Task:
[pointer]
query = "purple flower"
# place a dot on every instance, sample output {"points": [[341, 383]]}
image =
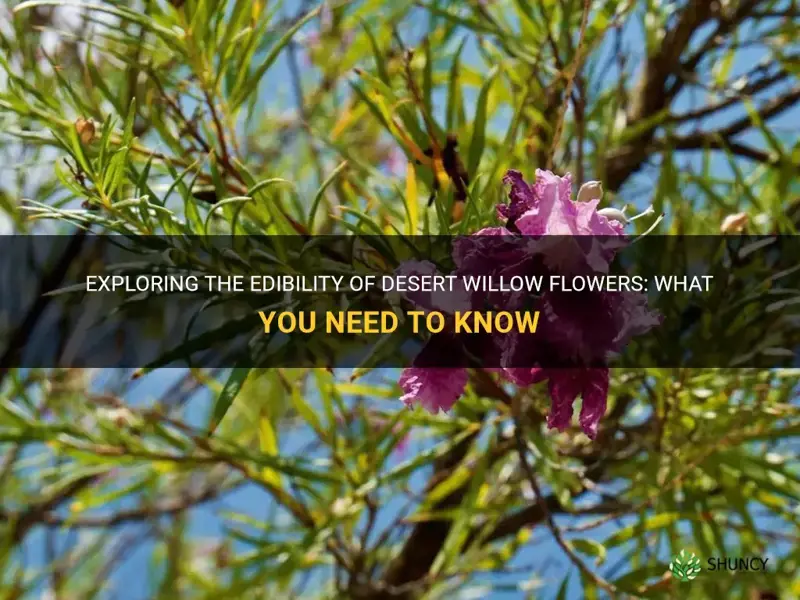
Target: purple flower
{"points": [[587, 327], [444, 301], [546, 232], [547, 208], [565, 385], [522, 197], [434, 389], [481, 252]]}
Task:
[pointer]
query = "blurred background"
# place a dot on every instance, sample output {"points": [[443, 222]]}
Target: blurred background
{"points": [[241, 117]]}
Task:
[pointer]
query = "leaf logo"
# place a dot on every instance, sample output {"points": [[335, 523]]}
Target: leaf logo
{"points": [[685, 567]]}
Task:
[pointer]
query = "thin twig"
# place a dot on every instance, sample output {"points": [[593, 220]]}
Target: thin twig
{"points": [[548, 517], [218, 126], [570, 75], [302, 109]]}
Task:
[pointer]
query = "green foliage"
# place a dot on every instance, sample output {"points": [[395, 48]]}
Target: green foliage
{"points": [[293, 118]]}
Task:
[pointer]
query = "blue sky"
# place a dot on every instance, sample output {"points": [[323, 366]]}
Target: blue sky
{"points": [[206, 524]]}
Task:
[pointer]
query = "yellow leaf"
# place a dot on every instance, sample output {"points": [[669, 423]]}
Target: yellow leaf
{"points": [[348, 116], [523, 535], [256, 10], [269, 446], [163, 466], [400, 133], [441, 174], [363, 461], [358, 389]]}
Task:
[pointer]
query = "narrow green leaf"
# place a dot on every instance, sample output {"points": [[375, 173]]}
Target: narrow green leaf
{"points": [[246, 87], [321, 192], [129, 15], [268, 441], [562, 590], [380, 64], [233, 386], [108, 126], [648, 524], [479, 125], [127, 134], [454, 90], [590, 548], [116, 171]]}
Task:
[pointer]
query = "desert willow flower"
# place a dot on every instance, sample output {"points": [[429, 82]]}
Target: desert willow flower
{"points": [[577, 332]]}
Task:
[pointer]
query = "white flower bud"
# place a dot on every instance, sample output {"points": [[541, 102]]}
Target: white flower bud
{"points": [[734, 223], [341, 506], [591, 190], [613, 214], [121, 417]]}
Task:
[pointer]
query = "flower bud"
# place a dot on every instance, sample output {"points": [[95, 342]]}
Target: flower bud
{"points": [[613, 214], [591, 190], [121, 417], [734, 223]]}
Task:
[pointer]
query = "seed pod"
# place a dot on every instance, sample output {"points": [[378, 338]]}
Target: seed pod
{"points": [[85, 129]]}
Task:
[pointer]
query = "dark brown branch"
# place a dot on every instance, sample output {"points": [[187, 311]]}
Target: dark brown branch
{"points": [[22, 522], [627, 159], [749, 90], [715, 143], [165, 508], [770, 109], [652, 94], [533, 515], [726, 25]]}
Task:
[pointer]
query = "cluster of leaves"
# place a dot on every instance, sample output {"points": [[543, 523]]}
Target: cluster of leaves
{"points": [[170, 117]]}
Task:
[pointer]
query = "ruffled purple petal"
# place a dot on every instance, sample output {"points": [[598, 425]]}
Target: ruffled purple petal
{"points": [[445, 301], [471, 251], [633, 317], [555, 213], [564, 386], [521, 196], [590, 222], [577, 330], [434, 389], [595, 396]]}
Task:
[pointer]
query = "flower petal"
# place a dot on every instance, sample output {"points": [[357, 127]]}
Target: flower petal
{"points": [[434, 389], [595, 396], [564, 386], [521, 196], [448, 301]]}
